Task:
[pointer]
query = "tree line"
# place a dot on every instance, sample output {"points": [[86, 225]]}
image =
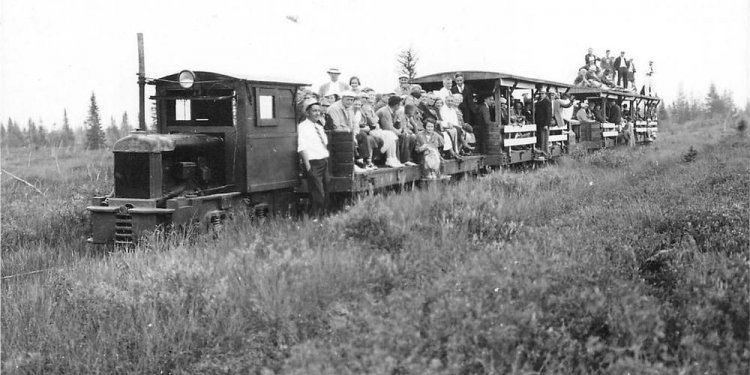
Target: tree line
{"points": [[95, 136], [92, 136], [712, 106]]}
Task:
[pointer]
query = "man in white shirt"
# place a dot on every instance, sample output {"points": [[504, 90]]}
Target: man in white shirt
{"points": [[446, 90], [312, 146], [334, 86]]}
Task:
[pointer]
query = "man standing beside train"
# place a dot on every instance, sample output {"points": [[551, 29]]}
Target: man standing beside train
{"points": [[312, 146], [543, 120]]}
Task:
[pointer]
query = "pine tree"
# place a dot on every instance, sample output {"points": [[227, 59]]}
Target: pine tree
{"points": [[31, 135], [3, 136], [125, 125], [67, 137], [113, 134], [407, 63], [94, 132], [714, 105]]}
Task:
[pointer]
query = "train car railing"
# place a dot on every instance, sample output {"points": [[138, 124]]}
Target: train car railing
{"points": [[517, 142], [609, 134]]}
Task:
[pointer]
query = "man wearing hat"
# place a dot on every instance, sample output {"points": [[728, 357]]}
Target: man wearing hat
{"points": [[333, 86], [404, 88], [312, 146]]}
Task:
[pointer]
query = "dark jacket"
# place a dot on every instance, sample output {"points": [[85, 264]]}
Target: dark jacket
{"points": [[615, 114], [543, 113], [621, 63]]}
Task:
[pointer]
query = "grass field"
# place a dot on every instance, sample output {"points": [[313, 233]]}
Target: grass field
{"points": [[624, 261]]}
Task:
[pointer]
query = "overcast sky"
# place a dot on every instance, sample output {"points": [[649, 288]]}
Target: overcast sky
{"points": [[55, 53]]}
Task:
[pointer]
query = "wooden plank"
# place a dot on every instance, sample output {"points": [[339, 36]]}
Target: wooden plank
{"points": [[641, 130], [609, 134], [608, 125], [558, 138], [641, 123], [558, 128], [519, 129], [519, 141]]}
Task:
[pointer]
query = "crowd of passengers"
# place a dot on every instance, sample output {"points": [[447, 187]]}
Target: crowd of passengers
{"points": [[410, 125], [614, 73], [405, 126]]}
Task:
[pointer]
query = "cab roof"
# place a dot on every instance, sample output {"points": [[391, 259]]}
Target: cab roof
{"points": [[209, 77]]}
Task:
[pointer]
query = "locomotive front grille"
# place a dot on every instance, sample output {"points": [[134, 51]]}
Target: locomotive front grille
{"points": [[123, 229]]}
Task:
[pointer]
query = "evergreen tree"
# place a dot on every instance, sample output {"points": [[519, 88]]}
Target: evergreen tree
{"points": [[728, 100], [15, 137], [41, 136], [125, 125], [31, 135], [94, 132], [67, 138], [113, 134], [3, 136], [714, 105], [680, 107], [662, 112]]}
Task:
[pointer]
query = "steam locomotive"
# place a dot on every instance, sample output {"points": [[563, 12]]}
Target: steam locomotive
{"points": [[225, 143]]}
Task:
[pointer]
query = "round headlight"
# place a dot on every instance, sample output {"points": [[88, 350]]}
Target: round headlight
{"points": [[186, 78]]}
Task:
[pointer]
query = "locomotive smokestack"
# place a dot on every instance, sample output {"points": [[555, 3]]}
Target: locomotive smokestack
{"points": [[141, 85]]}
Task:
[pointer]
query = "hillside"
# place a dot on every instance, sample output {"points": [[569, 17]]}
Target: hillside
{"points": [[622, 261]]}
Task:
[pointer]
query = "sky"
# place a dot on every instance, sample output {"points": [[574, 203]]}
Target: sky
{"points": [[55, 53]]}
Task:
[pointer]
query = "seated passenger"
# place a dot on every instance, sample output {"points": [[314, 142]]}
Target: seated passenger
{"points": [[468, 130], [584, 114], [504, 112], [389, 120], [581, 80], [428, 144], [340, 115], [414, 95], [593, 78], [446, 127], [450, 114], [599, 113], [428, 111], [516, 114]]}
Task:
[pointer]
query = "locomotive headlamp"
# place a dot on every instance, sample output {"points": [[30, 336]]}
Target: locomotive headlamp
{"points": [[186, 78]]}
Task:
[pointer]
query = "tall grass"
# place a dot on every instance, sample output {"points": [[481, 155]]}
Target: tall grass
{"points": [[624, 261]]}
